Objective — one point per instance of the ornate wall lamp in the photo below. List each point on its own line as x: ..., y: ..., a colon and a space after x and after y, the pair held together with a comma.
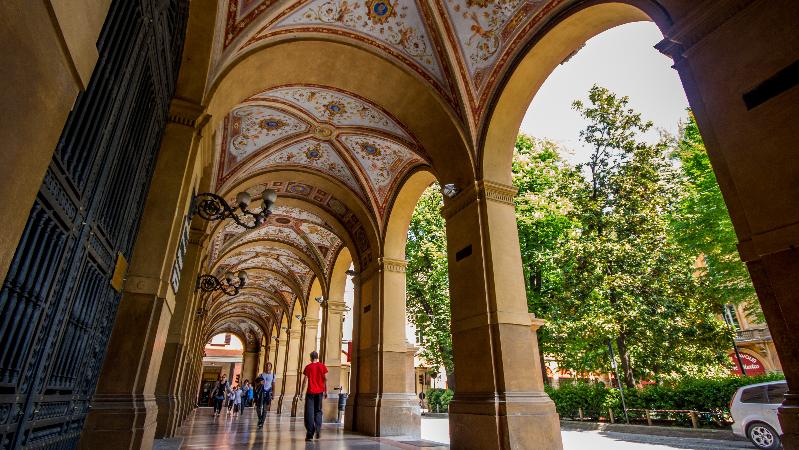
x: 210, y: 283
x: 213, y: 207
x: 322, y: 302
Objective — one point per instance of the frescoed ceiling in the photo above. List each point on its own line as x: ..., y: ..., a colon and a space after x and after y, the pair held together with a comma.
x: 320, y: 130
x: 460, y: 47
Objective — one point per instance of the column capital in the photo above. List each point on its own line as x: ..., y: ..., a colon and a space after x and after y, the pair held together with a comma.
x: 392, y: 265
x: 295, y: 332
x: 336, y: 306
x: 184, y: 112
x: 536, y: 323
x: 481, y: 190
x: 311, y: 323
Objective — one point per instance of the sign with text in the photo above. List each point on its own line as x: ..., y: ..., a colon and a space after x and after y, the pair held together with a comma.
x: 752, y: 365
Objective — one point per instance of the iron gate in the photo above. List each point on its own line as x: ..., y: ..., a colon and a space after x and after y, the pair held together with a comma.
x: 57, y: 306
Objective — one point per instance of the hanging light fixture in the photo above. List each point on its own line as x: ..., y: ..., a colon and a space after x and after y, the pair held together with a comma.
x: 210, y: 283
x: 213, y: 207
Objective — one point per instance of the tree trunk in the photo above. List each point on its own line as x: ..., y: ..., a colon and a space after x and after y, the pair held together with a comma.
x: 451, y: 380
x: 624, y: 355
x: 543, y: 365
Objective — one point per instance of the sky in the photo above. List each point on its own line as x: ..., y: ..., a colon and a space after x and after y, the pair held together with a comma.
x: 623, y: 60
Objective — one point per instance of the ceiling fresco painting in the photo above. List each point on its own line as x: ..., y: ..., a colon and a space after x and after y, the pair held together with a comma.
x: 460, y: 47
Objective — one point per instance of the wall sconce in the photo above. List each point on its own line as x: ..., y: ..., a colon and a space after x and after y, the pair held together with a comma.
x: 322, y: 302
x: 350, y: 273
x: 210, y: 283
x: 450, y: 190
x: 300, y: 318
x: 212, y: 207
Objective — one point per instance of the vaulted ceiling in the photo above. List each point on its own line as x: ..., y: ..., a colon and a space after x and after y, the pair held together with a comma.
x: 336, y: 158
x: 459, y: 47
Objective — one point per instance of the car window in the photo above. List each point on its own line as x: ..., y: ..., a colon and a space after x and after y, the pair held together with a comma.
x: 776, y: 392
x: 755, y: 394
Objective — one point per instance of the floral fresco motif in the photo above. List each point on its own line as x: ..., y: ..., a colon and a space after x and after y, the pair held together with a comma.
x: 240, y: 14
x: 396, y: 24
x: 313, y: 154
x: 251, y: 128
x: 382, y: 160
x: 485, y: 30
x: 340, y: 109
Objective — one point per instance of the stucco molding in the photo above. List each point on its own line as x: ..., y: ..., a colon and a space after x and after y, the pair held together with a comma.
x: 700, y: 23
x: 393, y: 265
x: 184, y: 112
x: 496, y: 192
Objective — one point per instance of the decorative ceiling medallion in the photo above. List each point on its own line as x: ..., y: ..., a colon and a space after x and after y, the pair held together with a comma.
x: 314, y: 152
x: 324, y: 132
x: 379, y: 11
x: 271, y: 124
x: 371, y: 150
x: 335, y: 108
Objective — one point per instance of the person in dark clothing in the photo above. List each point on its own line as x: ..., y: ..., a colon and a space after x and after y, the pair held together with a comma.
x: 219, y: 392
x: 261, y: 396
x: 315, y: 379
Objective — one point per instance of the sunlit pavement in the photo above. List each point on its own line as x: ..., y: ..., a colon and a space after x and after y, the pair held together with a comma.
x: 203, y: 431
x: 438, y: 430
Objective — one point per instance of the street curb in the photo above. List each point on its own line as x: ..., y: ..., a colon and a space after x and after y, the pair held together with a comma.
x: 654, y: 430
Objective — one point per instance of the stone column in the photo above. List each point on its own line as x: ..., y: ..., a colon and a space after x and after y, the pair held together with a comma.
x: 124, y: 409
x: 308, y: 344
x: 751, y: 104
x: 499, y: 394
x: 332, y: 335
x: 290, y: 372
x: 172, y: 376
x: 385, y: 406
x: 250, y: 366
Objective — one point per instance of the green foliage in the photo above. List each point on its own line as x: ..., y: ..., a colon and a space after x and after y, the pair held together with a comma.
x: 438, y: 400
x: 620, y: 275
x: 427, y: 280
x: 705, y: 395
x: 703, y: 226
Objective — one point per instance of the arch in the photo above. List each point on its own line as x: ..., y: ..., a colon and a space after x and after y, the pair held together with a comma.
x: 545, y: 51
x: 329, y: 63
x: 399, y: 218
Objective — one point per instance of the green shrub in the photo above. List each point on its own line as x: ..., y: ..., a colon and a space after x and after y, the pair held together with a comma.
x: 438, y: 400
x: 705, y: 395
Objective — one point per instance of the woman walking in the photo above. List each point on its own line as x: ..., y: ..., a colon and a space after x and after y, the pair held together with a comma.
x: 219, y: 392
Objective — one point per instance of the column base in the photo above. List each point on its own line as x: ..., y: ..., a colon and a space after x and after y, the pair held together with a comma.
x: 123, y: 421
x: 298, y: 406
x: 517, y: 420
x: 392, y: 414
x: 168, y: 407
x: 330, y: 409
x: 788, y: 414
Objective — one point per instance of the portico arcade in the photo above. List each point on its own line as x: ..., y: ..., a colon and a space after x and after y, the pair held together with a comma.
x: 348, y: 110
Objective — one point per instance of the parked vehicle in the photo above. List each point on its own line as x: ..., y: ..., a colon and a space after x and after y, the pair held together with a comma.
x: 754, y: 412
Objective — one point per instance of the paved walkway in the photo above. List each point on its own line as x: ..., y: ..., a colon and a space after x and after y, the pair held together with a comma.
x: 203, y: 431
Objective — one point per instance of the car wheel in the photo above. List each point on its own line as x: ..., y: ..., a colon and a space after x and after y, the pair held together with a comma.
x: 763, y: 436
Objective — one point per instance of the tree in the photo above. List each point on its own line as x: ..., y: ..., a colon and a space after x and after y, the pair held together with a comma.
x: 427, y: 281
x: 703, y: 226
x: 624, y: 277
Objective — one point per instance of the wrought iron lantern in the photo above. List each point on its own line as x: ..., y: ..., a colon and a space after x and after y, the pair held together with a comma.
x: 213, y: 207
x: 210, y: 283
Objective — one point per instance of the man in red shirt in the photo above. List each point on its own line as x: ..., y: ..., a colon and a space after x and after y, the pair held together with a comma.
x: 315, y: 379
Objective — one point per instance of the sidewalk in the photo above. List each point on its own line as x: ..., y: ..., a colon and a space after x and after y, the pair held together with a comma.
x: 653, y: 430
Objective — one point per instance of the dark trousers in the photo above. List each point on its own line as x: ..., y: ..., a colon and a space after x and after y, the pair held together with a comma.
x: 313, y: 414
x: 260, y: 409
x: 217, y: 404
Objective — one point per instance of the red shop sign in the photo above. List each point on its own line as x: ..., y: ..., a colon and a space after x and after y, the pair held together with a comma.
x: 752, y: 365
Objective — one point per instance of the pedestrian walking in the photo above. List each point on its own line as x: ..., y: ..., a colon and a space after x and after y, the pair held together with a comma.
x: 231, y: 397
x: 315, y: 380
x: 219, y: 392
x: 261, y: 398
x: 236, y: 401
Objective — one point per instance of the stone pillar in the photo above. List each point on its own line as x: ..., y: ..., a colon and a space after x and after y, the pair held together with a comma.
x: 172, y: 375
x: 499, y: 395
x: 384, y: 405
x: 332, y: 335
x: 307, y: 345
x: 752, y: 105
x: 124, y: 409
x: 290, y: 372
x: 249, y: 368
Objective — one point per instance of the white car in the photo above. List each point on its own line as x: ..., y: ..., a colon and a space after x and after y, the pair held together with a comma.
x: 754, y: 412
